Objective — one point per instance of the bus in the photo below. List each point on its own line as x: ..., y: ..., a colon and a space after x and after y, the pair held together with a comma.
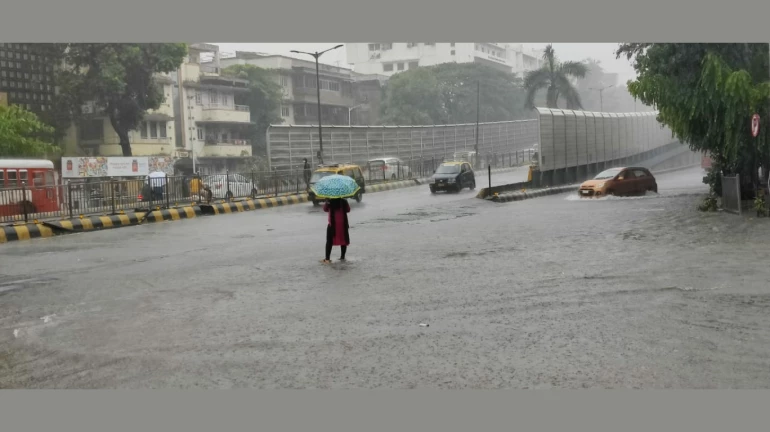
x: 28, y: 186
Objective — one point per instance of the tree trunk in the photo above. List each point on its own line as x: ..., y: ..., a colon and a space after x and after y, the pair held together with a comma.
x: 122, y: 132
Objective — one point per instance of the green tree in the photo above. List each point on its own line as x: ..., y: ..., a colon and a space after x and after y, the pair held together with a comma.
x: 22, y: 134
x: 117, y: 77
x: 264, y: 101
x: 446, y: 93
x: 706, y: 94
x: 554, y: 78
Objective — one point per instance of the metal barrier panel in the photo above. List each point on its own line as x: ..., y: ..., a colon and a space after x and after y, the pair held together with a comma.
x: 571, y: 153
x: 591, y: 138
x: 288, y: 145
x: 731, y: 193
x: 582, y: 136
x: 546, y: 150
x: 560, y: 137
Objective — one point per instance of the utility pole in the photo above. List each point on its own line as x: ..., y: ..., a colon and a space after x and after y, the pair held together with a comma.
x: 316, y: 55
x: 601, y: 96
x: 478, y: 110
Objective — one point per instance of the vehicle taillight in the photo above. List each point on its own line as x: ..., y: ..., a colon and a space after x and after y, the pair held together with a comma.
x: 140, y: 197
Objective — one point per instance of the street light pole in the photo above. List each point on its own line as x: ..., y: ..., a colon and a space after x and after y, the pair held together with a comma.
x: 350, y: 110
x: 478, y: 109
x: 601, y: 96
x: 316, y: 55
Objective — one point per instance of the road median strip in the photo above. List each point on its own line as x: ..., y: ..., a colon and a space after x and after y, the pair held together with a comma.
x: 529, y: 194
x: 27, y: 231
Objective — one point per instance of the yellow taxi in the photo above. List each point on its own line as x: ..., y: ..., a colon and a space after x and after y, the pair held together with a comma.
x: 351, y: 170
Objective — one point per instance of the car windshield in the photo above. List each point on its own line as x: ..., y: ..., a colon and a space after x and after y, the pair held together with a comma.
x: 608, y: 174
x: 319, y: 175
x: 448, y: 169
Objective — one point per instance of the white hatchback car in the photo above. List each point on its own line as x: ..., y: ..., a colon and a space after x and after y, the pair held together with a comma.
x: 240, y: 186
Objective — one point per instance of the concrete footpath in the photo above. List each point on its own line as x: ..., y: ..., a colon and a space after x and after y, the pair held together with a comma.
x: 47, y: 229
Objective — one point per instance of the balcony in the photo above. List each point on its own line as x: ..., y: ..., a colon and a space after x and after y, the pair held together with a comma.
x: 228, y: 148
x: 207, y: 70
x: 216, y: 113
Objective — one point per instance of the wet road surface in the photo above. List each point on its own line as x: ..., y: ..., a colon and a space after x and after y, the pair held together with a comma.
x: 549, y: 292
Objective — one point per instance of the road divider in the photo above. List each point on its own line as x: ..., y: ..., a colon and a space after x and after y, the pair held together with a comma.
x: 528, y: 194
x: 93, y: 223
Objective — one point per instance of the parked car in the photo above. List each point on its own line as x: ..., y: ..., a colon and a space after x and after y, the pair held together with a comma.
x: 240, y: 186
x: 387, y: 168
x: 619, y: 182
x: 350, y: 170
x: 452, y: 176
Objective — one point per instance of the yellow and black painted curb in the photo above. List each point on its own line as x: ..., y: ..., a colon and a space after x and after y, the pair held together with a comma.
x: 525, y: 194
x: 93, y: 223
x: 10, y: 233
x: 252, y: 204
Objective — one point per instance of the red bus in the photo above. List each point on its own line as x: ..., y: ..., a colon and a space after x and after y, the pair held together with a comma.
x: 28, y: 186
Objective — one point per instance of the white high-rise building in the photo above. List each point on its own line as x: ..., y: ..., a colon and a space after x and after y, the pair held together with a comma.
x: 391, y: 58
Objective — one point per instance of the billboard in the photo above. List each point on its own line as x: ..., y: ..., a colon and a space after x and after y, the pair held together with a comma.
x: 79, y: 167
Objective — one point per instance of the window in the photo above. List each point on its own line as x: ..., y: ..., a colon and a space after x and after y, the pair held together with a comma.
x: 299, y: 110
x: 330, y: 85
x: 412, y: 44
x: 200, y: 133
x: 213, y: 98
x: 374, y: 47
x: 11, y: 176
x: 38, y: 179
x: 23, y: 176
x: 387, y: 46
x: 452, y: 44
x: 285, y: 111
x: 49, y: 180
x: 162, y: 130
x: 284, y: 80
x: 400, y: 66
x: 143, y: 129
x: 153, y: 130
x: 2, y: 54
x: 199, y: 98
x: 224, y: 99
x: 2, y: 178
x: 453, y: 52
x: 413, y: 65
x: 387, y: 67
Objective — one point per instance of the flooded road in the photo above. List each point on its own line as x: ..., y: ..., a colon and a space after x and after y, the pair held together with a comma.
x: 551, y: 292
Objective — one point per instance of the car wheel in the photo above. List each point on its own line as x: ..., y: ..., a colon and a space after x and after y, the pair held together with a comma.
x: 315, y: 203
x: 359, y: 197
x: 432, y: 190
x: 392, y: 176
x: 254, y: 193
x: 229, y: 195
x: 473, y: 185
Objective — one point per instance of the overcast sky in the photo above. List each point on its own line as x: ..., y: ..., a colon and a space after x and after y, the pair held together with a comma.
x: 603, y: 52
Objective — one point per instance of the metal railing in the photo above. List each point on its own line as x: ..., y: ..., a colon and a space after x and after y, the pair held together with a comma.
x: 731, y: 193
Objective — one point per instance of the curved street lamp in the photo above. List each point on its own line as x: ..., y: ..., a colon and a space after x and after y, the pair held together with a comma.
x: 316, y: 55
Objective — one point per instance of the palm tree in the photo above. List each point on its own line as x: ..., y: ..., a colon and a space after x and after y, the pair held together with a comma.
x: 554, y: 77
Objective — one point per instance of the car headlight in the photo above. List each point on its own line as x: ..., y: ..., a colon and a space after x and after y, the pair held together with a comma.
x: 431, y: 180
x: 451, y: 181
x: 599, y: 186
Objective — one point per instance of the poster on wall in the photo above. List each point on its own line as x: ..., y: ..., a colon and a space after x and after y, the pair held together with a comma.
x: 79, y: 167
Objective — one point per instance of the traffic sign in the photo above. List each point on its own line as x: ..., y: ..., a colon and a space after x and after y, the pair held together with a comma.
x: 755, y: 125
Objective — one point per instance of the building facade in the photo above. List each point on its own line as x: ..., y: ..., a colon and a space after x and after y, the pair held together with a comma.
x: 26, y: 76
x: 392, y: 58
x: 345, y: 96
x: 212, y: 128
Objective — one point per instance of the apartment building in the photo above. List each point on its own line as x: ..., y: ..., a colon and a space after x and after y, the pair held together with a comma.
x: 95, y: 136
x: 212, y: 128
x: 345, y: 95
x: 26, y: 76
x: 392, y: 58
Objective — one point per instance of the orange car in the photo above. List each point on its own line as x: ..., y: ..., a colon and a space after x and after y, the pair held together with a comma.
x: 619, y: 182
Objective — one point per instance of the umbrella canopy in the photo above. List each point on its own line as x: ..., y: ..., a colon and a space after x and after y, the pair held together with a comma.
x: 335, y: 186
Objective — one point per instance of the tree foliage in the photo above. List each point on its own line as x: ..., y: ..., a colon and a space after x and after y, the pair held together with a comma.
x: 553, y: 77
x: 706, y: 94
x: 446, y: 94
x: 22, y: 134
x: 264, y: 100
x: 119, y: 78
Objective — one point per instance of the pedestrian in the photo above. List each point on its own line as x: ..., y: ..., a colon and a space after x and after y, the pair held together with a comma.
x: 306, y: 172
x: 337, y: 231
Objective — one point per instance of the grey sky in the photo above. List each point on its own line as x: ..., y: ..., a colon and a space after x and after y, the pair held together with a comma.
x: 603, y: 52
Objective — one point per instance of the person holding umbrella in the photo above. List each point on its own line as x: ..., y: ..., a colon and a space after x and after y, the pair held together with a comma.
x: 335, y: 188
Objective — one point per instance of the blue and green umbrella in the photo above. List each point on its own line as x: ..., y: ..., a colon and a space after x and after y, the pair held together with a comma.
x: 335, y: 186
